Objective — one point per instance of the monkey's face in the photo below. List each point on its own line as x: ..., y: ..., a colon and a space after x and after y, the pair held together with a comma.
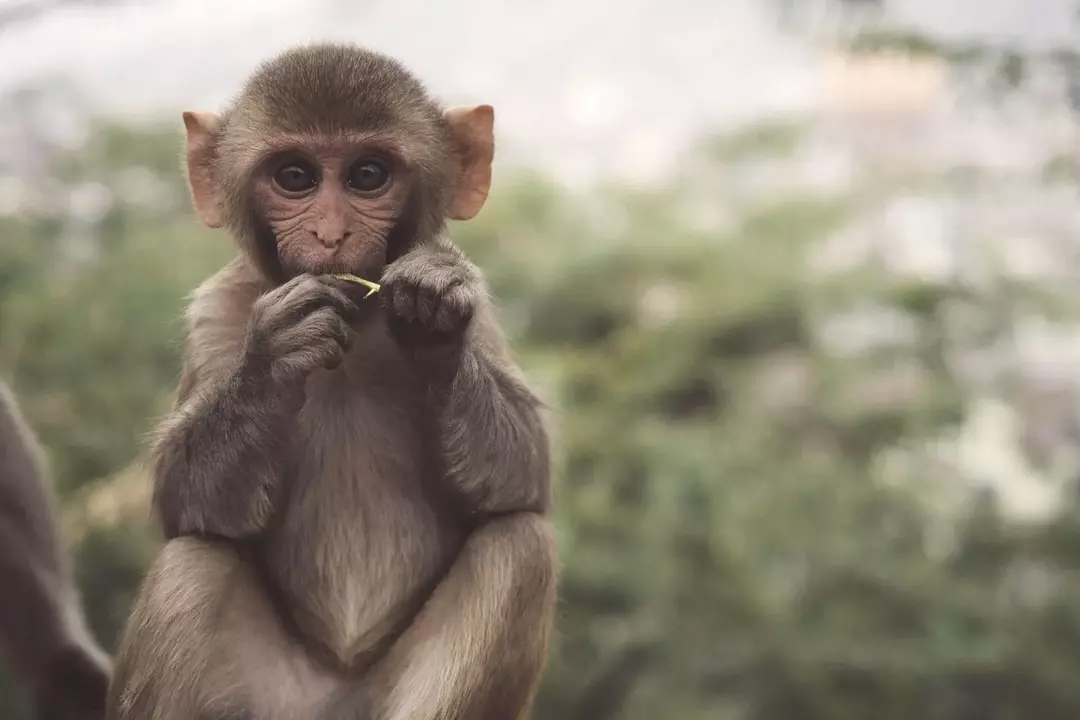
x: 332, y: 203
x: 335, y: 159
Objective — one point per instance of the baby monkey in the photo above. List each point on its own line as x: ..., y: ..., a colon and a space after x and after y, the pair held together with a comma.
x: 355, y: 490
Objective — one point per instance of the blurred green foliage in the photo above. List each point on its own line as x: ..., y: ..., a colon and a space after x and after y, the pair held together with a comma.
x: 746, y: 515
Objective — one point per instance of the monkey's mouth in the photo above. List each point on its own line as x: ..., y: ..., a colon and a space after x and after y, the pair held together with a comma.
x: 367, y: 263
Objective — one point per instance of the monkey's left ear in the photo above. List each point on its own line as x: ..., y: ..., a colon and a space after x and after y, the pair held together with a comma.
x: 473, y: 129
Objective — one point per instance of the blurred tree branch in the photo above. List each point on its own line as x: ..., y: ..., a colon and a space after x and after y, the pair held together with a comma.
x: 603, y: 699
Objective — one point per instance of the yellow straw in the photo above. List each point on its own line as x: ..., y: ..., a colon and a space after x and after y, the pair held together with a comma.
x: 372, y: 287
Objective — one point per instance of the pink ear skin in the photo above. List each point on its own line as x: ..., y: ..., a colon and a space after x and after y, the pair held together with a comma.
x: 473, y: 130
x: 201, y: 130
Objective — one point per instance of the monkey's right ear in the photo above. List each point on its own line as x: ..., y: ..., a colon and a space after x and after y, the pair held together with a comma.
x: 201, y: 132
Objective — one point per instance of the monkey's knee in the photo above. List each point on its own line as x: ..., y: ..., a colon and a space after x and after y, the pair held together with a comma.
x: 204, y: 641
x: 520, y: 549
x: 523, y: 569
x: 173, y: 626
x: 178, y: 601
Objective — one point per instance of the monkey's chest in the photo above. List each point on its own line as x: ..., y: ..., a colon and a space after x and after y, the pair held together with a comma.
x: 362, y: 539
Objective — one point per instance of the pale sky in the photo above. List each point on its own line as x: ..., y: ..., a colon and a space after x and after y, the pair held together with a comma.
x: 582, y: 86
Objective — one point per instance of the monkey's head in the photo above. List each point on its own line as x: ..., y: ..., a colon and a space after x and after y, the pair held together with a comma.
x: 335, y: 159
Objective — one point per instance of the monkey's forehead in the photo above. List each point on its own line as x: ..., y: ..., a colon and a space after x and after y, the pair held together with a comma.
x: 273, y: 124
x: 334, y: 87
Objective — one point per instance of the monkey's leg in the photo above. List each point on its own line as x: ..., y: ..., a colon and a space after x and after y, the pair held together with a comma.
x: 203, y: 642
x: 479, y: 647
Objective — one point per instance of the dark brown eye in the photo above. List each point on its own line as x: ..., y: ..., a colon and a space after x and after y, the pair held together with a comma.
x: 368, y: 176
x: 295, y: 178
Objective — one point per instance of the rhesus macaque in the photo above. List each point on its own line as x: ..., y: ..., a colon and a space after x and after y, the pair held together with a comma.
x: 354, y: 491
x: 43, y: 632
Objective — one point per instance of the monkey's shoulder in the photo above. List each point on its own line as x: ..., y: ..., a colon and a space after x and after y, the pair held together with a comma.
x: 226, y: 297
x: 217, y: 314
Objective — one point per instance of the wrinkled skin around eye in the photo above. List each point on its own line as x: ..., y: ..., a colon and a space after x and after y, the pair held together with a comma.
x: 332, y: 227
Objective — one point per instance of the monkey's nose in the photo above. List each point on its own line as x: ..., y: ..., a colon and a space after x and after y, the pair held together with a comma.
x: 332, y: 241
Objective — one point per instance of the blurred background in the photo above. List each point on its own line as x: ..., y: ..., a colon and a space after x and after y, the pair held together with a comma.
x: 798, y: 277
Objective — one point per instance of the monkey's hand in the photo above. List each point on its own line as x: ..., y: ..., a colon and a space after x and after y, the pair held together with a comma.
x: 431, y: 296
x: 299, y: 327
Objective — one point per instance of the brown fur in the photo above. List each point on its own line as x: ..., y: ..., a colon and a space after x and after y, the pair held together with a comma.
x: 355, y: 490
x: 42, y: 629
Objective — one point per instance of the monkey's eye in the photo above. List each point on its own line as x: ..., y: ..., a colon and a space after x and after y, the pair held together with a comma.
x: 295, y: 178
x: 368, y: 176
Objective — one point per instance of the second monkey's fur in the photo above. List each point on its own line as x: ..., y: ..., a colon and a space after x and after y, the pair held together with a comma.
x: 43, y: 630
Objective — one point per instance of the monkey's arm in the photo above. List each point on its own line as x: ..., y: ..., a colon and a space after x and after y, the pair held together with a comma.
x: 219, y: 457
x: 494, y: 440
x: 215, y: 458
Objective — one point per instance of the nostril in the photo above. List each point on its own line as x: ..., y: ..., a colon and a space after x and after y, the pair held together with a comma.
x: 333, y: 240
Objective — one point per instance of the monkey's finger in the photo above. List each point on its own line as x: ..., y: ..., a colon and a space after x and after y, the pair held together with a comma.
x: 428, y: 299
x: 326, y: 354
x: 288, y: 286
x: 455, y: 309
x: 323, y: 324
x: 302, y: 299
x: 326, y: 324
x: 273, y: 297
x: 401, y: 299
x: 330, y: 355
x: 340, y: 294
x: 435, y: 296
x: 333, y: 361
x: 312, y: 295
x: 267, y: 309
x: 315, y: 293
